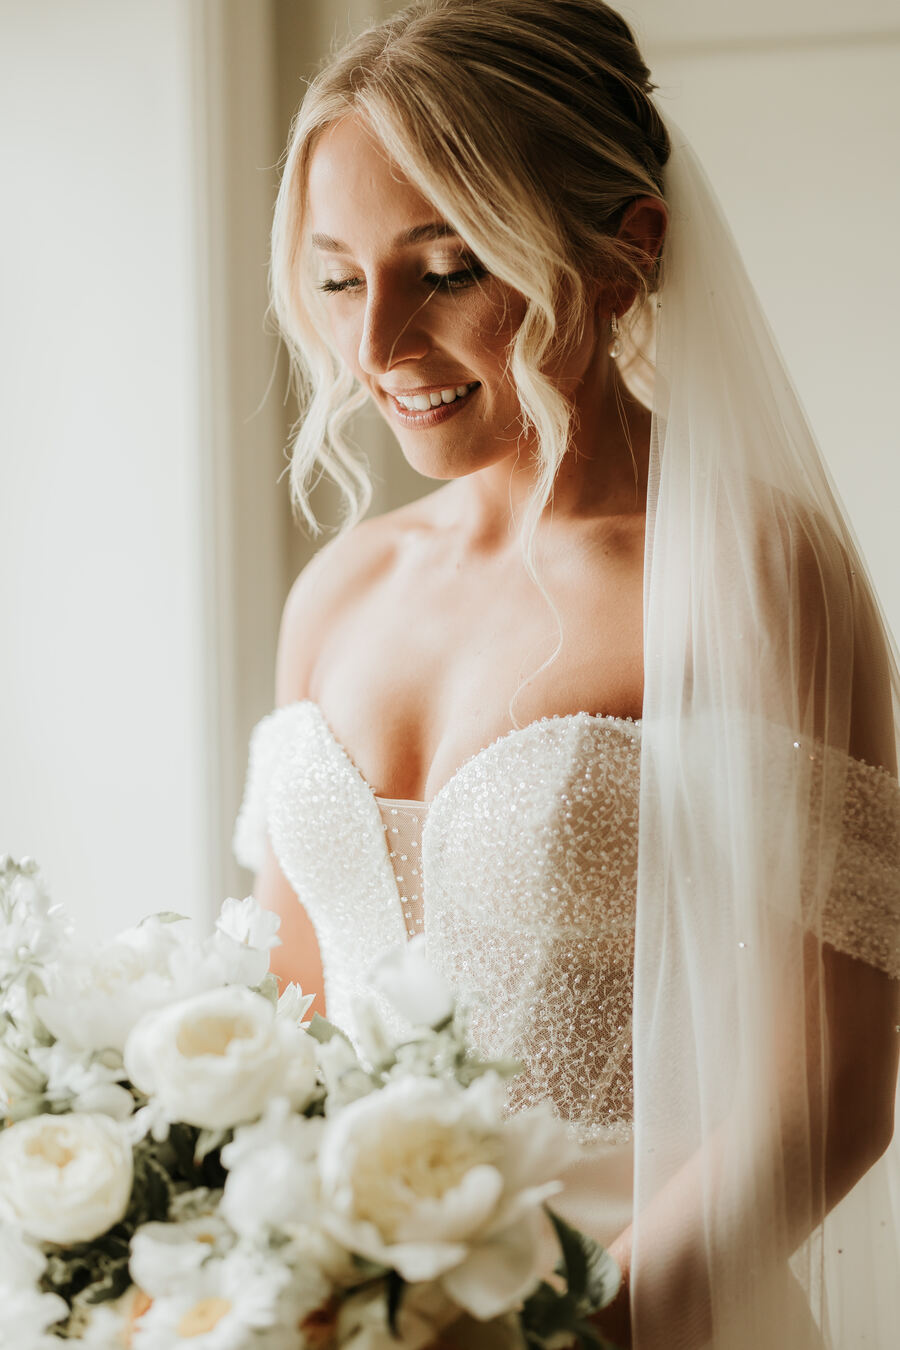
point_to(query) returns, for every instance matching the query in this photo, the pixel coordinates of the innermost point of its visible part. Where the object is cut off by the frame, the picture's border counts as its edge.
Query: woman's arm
(297, 960)
(849, 1126)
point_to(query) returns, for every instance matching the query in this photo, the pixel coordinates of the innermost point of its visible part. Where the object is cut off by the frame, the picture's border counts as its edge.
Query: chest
(418, 676)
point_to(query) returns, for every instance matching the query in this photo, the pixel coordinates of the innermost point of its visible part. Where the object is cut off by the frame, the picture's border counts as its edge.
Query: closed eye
(435, 281)
(455, 281)
(330, 286)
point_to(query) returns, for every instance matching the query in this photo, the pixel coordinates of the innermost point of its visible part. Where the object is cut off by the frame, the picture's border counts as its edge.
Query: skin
(440, 583)
(442, 579)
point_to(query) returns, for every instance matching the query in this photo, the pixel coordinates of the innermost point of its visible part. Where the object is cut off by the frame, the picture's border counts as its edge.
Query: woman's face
(412, 312)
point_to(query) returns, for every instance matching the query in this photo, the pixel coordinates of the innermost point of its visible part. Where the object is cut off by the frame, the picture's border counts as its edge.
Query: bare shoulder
(340, 574)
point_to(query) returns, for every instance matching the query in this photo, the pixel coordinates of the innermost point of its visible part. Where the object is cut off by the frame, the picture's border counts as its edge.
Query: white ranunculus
(65, 1179)
(427, 1177)
(216, 1059)
(414, 988)
(272, 1175)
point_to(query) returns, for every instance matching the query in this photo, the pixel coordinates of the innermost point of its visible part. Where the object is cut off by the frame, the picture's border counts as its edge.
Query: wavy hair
(529, 125)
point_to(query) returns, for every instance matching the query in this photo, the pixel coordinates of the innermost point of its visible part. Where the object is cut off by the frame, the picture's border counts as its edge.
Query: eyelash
(439, 281)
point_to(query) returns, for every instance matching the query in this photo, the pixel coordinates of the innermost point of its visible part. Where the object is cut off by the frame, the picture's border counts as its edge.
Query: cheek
(344, 329)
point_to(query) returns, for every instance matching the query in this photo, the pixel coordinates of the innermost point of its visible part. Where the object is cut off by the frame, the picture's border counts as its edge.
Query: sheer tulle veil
(768, 670)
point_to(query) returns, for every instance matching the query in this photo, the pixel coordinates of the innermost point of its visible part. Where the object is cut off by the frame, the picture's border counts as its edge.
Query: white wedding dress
(522, 874)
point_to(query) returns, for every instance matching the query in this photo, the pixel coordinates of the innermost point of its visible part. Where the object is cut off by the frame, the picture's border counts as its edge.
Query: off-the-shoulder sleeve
(248, 841)
(862, 914)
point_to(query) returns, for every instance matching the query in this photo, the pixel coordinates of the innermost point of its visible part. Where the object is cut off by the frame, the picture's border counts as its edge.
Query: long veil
(767, 889)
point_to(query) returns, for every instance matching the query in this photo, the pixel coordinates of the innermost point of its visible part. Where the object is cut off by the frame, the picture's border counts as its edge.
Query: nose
(393, 330)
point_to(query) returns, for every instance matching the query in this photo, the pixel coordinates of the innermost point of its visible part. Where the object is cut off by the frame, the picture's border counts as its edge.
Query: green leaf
(591, 1274)
(164, 916)
(323, 1031)
(268, 987)
(573, 1265)
(396, 1286)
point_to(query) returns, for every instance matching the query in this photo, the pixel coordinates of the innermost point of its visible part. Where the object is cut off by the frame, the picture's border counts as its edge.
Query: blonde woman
(610, 716)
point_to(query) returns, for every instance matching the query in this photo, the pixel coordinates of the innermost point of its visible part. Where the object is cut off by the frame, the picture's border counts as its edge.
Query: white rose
(216, 1059)
(427, 1177)
(67, 1178)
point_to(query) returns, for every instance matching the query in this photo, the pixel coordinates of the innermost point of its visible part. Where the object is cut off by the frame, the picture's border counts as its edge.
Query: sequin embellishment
(522, 872)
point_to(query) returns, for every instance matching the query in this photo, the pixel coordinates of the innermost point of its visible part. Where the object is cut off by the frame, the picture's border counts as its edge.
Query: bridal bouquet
(185, 1161)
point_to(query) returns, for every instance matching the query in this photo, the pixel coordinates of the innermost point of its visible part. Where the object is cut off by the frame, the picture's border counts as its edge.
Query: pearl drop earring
(615, 346)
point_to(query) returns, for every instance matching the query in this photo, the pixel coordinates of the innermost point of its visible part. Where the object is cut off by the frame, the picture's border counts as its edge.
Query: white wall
(794, 109)
(102, 675)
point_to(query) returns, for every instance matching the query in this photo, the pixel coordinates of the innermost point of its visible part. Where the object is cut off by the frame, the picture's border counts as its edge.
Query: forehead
(355, 194)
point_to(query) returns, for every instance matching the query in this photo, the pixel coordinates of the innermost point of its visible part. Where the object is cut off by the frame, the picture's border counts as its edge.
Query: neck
(603, 473)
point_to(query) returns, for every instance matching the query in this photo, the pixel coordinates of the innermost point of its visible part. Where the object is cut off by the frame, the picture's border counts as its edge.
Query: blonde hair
(529, 125)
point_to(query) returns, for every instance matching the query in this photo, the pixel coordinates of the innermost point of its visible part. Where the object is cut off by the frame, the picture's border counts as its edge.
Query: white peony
(94, 998)
(65, 1179)
(216, 1059)
(272, 1176)
(418, 992)
(427, 1177)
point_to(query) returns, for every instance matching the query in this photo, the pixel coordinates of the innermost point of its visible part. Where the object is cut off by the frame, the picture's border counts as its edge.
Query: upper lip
(427, 388)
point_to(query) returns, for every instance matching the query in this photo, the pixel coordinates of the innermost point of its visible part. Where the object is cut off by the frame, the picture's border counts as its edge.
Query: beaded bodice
(527, 873)
(525, 887)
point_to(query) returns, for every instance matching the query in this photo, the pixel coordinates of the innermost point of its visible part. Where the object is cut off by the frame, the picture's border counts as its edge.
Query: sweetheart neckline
(608, 719)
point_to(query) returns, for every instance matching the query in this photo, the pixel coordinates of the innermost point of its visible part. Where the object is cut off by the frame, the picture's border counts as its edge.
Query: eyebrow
(419, 234)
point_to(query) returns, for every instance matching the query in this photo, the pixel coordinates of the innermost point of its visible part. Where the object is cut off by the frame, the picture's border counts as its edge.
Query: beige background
(145, 538)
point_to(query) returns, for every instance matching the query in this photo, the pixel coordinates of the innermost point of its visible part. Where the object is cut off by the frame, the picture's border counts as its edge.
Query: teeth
(424, 402)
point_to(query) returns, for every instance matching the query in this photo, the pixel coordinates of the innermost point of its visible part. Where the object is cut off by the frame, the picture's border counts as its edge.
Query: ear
(643, 226)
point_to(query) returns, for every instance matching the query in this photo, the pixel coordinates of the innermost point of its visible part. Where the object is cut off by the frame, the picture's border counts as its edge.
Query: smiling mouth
(428, 409)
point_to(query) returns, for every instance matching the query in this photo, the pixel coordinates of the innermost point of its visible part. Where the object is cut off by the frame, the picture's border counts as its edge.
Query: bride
(611, 715)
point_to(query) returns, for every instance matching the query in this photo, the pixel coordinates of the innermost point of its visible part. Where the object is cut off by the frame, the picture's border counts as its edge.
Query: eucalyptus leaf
(323, 1031)
(268, 987)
